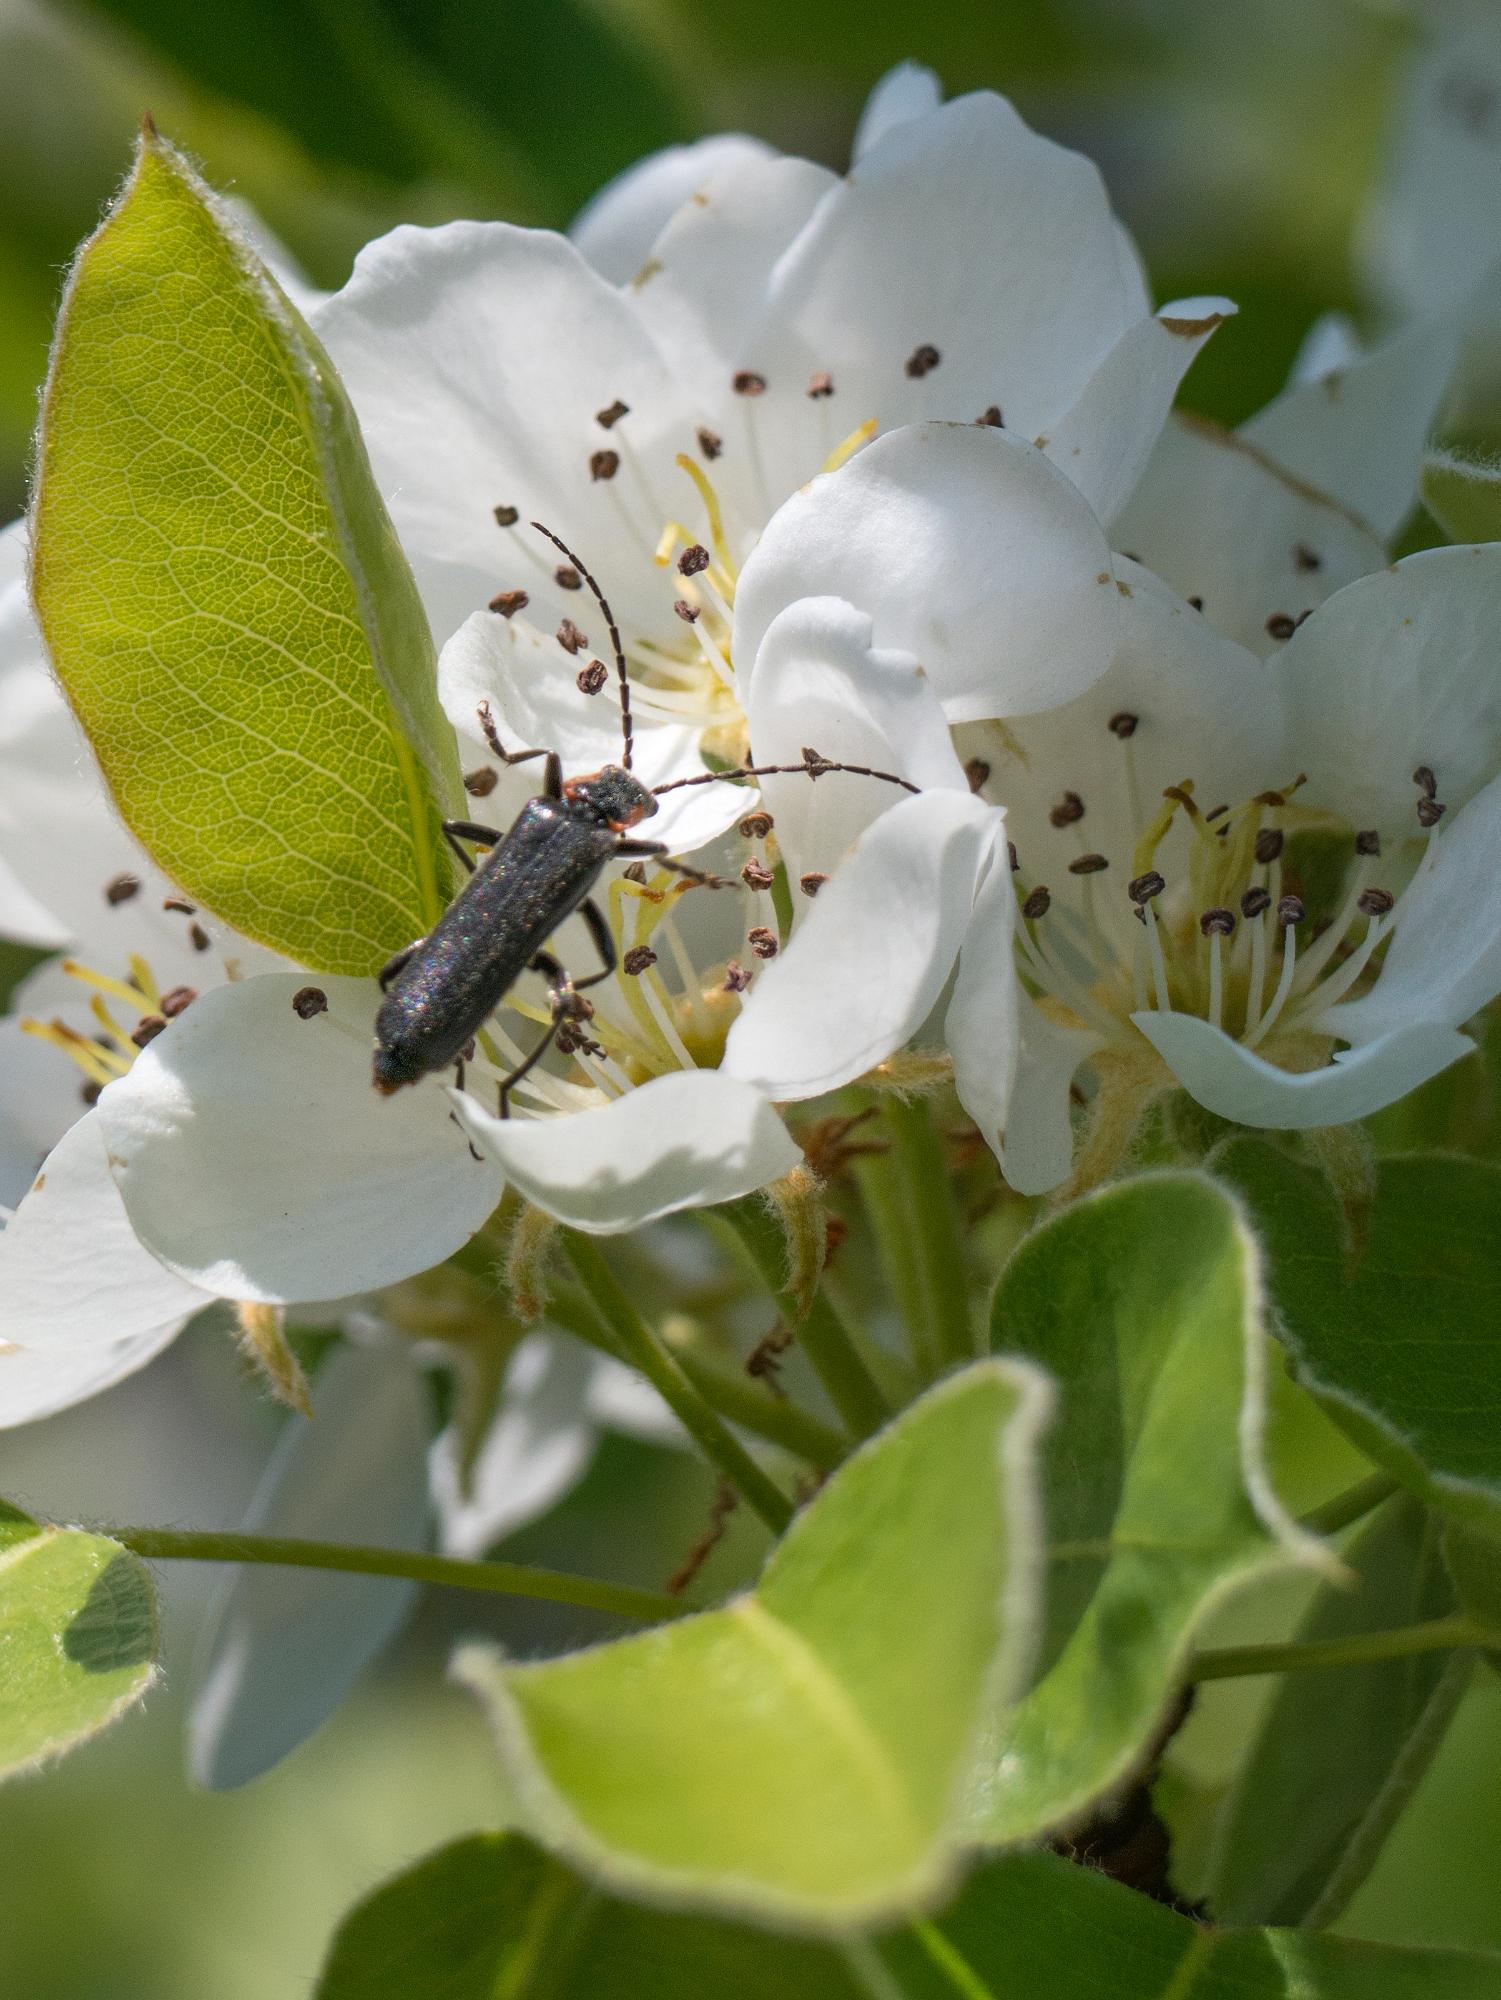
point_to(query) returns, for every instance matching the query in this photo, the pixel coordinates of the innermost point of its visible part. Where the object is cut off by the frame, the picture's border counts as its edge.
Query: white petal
(621, 1400)
(1224, 524)
(72, 1274)
(257, 1160)
(684, 1140)
(39, 1100)
(284, 1646)
(35, 1383)
(906, 92)
(1038, 1143)
(1444, 963)
(869, 960)
(618, 226)
(820, 684)
(1234, 1082)
(969, 549)
(535, 1451)
(1357, 433)
(1105, 440)
(1397, 671)
(981, 1026)
(1330, 343)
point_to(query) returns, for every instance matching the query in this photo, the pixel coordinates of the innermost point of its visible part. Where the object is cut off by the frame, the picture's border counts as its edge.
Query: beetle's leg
(455, 830)
(394, 965)
(552, 784)
(659, 854)
(604, 944)
(509, 1083)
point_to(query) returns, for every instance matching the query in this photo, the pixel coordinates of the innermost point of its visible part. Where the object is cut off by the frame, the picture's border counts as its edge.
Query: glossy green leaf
(1464, 496)
(1143, 1304)
(223, 596)
(799, 1753)
(1338, 1754)
(78, 1638)
(15, 1526)
(1403, 1351)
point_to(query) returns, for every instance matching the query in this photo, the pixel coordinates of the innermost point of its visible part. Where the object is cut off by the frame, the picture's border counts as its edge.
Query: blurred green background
(1239, 143)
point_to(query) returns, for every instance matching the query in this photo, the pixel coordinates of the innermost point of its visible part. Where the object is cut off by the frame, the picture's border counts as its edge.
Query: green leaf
(1403, 1353)
(78, 1638)
(15, 1526)
(1463, 495)
(1339, 1754)
(1143, 1303)
(799, 1752)
(223, 596)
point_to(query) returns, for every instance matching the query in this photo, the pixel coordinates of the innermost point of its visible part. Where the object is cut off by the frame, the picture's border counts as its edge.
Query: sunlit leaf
(1143, 1303)
(800, 1752)
(222, 593)
(1464, 496)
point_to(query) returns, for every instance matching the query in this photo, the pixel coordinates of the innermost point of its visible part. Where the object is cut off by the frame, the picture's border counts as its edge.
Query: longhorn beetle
(440, 990)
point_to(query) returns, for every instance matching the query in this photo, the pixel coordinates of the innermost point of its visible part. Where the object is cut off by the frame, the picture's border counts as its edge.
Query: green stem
(880, 1188)
(1350, 1506)
(932, 1222)
(730, 1391)
(821, 1333)
(1437, 1636)
(508, 1579)
(638, 1345)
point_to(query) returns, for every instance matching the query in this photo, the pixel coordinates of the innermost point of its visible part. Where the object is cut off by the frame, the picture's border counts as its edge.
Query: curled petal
(37, 1382)
(617, 227)
(908, 91)
(685, 1140)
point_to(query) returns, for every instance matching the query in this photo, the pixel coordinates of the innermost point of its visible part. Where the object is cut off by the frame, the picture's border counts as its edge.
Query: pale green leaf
(1403, 1350)
(15, 1526)
(1144, 1304)
(800, 1752)
(78, 1641)
(1338, 1754)
(223, 596)
(1463, 495)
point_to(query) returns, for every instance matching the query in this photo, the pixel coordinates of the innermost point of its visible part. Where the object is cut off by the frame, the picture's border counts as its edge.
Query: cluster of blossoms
(875, 471)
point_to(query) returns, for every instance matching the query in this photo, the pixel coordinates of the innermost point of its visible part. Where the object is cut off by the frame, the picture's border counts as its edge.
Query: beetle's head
(615, 795)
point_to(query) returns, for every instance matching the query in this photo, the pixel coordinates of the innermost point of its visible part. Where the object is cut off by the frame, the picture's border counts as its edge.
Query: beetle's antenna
(813, 765)
(626, 730)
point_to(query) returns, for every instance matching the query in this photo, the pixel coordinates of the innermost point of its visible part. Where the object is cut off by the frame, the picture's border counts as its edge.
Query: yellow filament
(145, 982)
(1157, 829)
(716, 520)
(135, 997)
(862, 434)
(98, 1064)
(100, 1011)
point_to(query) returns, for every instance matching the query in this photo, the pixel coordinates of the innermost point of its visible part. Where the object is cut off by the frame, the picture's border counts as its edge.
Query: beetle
(440, 990)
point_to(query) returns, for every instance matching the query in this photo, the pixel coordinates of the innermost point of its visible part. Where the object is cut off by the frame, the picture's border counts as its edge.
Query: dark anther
(1013, 859)
(1368, 842)
(762, 941)
(814, 762)
(1197, 603)
(1291, 910)
(991, 417)
(710, 443)
(591, 679)
(635, 872)
(610, 416)
(91, 1093)
(1269, 844)
(637, 960)
(1142, 888)
(120, 888)
(812, 882)
(1281, 625)
(481, 783)
(1254, 902)
(746, 382)
(1123, 724)
(694, 560)
(507, 517)
(1430, 812)
(755, 826)
(181, 905)
(1217, 923)
(566, 577)
(820, 386)
(1037, 904)
(1088, 864)
(736, 978)
(1424, 779)
(177, 1000)
(603, 464)
(147, 1029)
(509, 602)
(922, 361)
(572, 1041)
(1068, 811)
(686, 611)
(977, 771)
(1374, 902)
(570, 638)
(1307, 558)
(756, 875)
(308, 1001)
(198, 937)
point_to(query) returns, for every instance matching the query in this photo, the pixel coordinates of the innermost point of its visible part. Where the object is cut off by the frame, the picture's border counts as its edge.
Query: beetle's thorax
(612, 797)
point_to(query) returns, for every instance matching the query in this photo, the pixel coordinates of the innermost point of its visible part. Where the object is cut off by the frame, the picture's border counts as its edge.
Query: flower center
(126, 1015)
